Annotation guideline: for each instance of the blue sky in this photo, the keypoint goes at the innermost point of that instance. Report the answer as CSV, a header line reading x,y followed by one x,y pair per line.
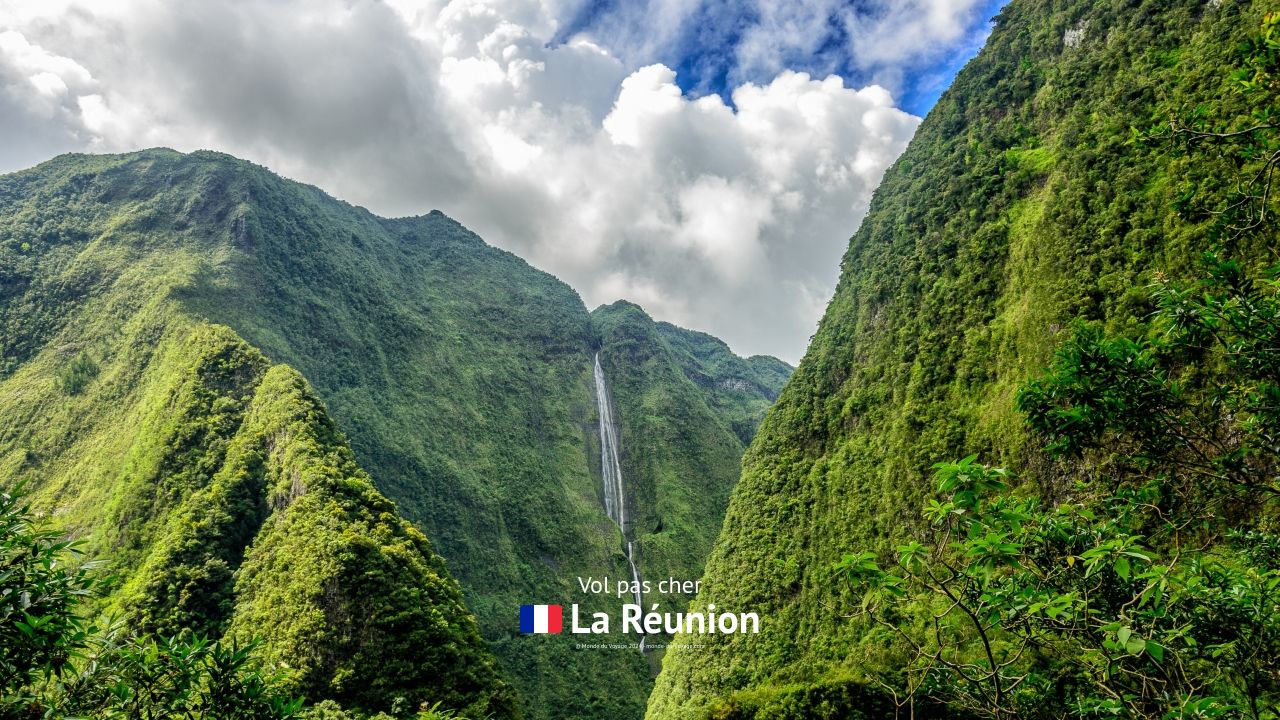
x,y
704,49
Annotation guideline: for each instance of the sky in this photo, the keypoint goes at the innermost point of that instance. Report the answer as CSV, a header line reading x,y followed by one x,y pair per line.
x,y
707,159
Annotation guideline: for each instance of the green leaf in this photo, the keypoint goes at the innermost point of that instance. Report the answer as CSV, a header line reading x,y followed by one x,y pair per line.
x,y
1135,645
1155,650
1123,635
1122,568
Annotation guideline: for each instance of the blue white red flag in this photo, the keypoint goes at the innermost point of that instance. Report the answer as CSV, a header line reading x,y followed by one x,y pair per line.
x,y
539,618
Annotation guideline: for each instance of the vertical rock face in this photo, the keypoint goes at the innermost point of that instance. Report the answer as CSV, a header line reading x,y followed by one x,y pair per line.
x,y
459,377
1021,204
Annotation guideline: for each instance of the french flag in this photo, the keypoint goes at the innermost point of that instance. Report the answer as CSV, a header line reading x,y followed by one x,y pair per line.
x,y
539,618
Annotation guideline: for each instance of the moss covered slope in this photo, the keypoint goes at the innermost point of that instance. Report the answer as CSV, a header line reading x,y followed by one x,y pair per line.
x,y
230,503
1020,205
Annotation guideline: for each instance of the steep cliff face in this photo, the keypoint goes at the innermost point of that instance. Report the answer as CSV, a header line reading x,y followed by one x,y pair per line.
x,y
1022,203
146,301
683,402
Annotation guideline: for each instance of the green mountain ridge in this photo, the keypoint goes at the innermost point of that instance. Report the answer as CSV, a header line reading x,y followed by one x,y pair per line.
x,y
231,465
1024,202
140,297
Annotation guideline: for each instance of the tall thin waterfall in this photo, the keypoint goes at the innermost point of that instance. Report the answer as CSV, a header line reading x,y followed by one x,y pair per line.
x,y
615,498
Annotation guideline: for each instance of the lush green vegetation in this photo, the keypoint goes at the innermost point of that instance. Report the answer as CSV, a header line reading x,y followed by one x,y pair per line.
x,y
1053,184
140,297
240,513
739,390
684,401
56,662
1147,589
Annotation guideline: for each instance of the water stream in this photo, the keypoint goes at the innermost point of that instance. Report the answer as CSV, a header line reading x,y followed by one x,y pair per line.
x,y
615,497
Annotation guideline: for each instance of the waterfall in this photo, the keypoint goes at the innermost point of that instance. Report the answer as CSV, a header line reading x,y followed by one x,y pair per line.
x,y
615,498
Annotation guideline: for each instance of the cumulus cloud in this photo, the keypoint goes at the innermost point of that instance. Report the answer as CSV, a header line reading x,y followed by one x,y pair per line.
x,y
901,37
894,43
873,35
728,217
43,97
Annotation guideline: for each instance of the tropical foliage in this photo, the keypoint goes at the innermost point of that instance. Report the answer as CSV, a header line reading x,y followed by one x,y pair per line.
x,y
1149,588
1053,211
57,662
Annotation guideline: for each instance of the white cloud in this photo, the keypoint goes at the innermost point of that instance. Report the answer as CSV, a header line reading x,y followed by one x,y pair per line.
x,y
40,94
904,30
726,219
878,35
885,41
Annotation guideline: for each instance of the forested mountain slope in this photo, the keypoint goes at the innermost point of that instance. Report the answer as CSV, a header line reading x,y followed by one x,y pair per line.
x,y
684,404
1025,201
461,376
219,486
